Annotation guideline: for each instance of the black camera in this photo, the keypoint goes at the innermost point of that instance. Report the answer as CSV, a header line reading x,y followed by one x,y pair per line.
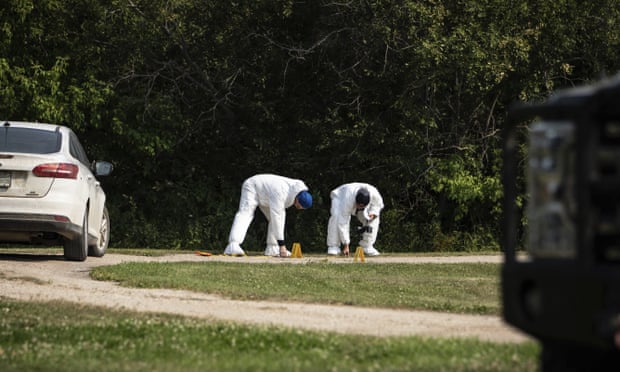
x,y
363,229
561,158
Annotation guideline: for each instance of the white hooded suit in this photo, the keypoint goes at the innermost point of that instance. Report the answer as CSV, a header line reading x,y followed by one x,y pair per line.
x,y
272,194
343,206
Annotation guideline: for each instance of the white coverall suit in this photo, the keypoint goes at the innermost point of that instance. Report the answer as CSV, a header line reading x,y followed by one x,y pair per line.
x,y
272,194
343,207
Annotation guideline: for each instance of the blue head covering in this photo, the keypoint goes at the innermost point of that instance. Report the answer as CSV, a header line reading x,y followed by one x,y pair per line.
x,y
362,196
304,199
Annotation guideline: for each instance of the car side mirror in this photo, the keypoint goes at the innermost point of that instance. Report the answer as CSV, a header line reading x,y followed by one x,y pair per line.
x,y
102,168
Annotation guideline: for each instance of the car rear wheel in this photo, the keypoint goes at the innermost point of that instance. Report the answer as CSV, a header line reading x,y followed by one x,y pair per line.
x,y
98,250
77,249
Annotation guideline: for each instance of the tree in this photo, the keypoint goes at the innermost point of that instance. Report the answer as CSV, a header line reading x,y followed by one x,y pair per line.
x,y
188,98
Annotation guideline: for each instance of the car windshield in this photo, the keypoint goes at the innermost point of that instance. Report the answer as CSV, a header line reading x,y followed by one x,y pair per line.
x,y
29,140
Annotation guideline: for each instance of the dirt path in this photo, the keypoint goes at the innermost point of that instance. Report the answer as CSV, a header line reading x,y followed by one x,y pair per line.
x,y
49,277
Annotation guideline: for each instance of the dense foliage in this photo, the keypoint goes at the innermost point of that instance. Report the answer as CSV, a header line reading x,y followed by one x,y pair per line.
x,y
188,98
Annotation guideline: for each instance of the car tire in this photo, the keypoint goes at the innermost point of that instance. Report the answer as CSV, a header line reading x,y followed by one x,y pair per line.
x,y
99,249
77,249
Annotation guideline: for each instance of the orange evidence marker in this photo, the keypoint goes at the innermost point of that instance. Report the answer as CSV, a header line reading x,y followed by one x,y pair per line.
x,y
359,255
203,253
296,253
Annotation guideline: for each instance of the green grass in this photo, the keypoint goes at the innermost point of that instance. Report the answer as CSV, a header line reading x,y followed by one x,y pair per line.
x,y
58,336
462,288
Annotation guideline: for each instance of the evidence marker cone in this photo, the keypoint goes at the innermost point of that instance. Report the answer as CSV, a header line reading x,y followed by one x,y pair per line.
x,y
296,253
359,255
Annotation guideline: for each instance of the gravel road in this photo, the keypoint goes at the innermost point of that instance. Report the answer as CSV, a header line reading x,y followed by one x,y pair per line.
x,y
44,277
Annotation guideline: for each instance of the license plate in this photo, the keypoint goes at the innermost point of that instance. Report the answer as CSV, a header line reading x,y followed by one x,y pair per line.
x,y
5,180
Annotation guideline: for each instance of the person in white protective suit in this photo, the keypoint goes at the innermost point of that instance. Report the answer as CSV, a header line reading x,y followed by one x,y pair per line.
x,y
354,199
272,194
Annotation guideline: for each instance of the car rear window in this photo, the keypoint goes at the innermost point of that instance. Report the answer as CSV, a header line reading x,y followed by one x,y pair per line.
x,y
29,140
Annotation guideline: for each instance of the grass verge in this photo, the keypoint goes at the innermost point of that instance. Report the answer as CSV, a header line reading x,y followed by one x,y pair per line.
x,y
59,336
461,288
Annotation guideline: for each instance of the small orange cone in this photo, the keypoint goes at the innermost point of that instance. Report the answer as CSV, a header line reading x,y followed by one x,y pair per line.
x,y
359,255
296,253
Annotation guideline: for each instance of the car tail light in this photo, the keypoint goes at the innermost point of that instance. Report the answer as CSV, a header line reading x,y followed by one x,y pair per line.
x,y
56,170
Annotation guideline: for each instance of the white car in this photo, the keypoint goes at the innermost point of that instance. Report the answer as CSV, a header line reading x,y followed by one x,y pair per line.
x,y
49,193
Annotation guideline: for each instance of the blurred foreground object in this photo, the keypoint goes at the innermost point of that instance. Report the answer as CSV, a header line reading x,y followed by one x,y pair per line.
x,y
566,290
